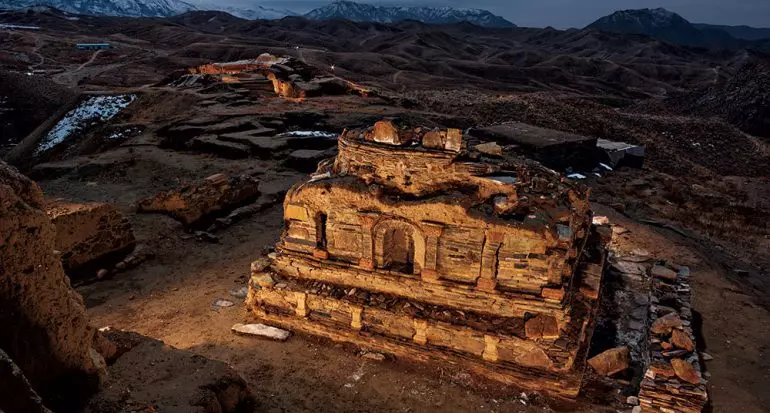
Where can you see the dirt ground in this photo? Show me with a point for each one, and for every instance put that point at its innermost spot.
(170, 298)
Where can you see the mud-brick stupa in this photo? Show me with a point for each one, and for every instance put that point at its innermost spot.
(410, 244)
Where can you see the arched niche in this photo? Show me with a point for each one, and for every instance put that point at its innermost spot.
(399, 246)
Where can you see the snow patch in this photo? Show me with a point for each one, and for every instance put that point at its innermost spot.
(310, 133)
(18, 27)
(91, 111)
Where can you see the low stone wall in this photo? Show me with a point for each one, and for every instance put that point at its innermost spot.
(673, 380)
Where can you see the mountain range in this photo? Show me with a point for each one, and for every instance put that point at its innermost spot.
(657, 23)
(348, 10)
(145, 8)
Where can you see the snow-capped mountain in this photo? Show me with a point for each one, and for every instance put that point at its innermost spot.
(145, 8)
(349, 10)
(126, 8)
(660, 24)
(252, 13)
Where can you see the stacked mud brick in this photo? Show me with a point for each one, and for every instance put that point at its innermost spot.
(672, 381)
(410, 244)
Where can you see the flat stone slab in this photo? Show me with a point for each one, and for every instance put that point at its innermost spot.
(261, 330)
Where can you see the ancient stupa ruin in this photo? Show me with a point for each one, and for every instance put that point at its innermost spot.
(411, 244)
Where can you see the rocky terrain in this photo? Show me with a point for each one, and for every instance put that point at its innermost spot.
(199, 166)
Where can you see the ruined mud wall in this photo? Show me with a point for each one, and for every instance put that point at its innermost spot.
(43, 325)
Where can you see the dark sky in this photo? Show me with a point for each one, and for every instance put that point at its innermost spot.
(571, 13)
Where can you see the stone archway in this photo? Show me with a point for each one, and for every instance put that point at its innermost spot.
(399, 246)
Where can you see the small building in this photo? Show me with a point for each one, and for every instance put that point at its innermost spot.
(93, 46)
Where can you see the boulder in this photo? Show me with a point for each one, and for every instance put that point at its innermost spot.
(164, 379)
(43, 324)
(611, 361)
(86, 232)
(192, 202)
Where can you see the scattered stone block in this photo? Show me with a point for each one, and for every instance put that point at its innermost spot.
(195, 201)
(611, 361)
(86, 232)
(262, 330)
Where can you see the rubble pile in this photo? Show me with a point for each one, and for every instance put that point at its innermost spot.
(410, 244)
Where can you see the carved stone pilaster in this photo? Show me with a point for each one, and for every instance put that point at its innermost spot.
(489, 256)
(368, 220)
